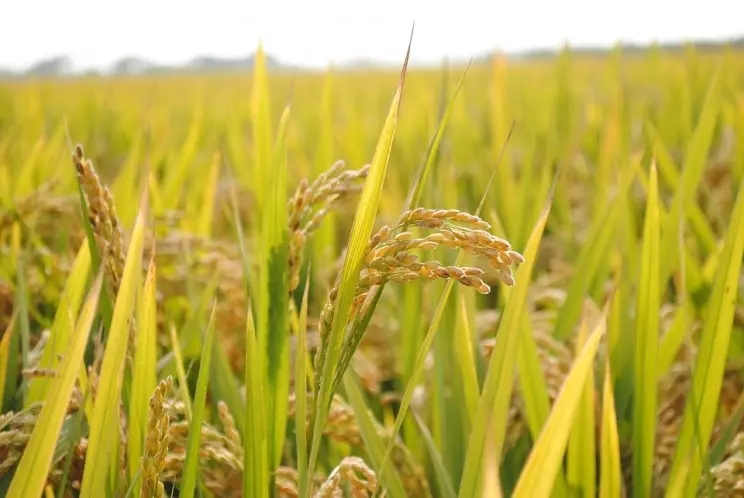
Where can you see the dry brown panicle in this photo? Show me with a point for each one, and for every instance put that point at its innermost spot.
(728, 476)
(674, 389)
(41, 204)
(156, 442)
(361, 479)
(231, 431)
(311, 203)
(15, 432)
(220, 461)
(107, 230)
(341, 426)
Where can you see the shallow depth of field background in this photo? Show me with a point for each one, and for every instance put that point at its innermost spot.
(594, 126)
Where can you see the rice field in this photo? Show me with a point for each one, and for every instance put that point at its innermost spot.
(516, 278)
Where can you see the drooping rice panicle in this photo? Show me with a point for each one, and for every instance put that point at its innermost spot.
(352, 470)
(107, 230)
(311, 203)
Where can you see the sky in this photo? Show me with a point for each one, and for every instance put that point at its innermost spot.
(316, 33)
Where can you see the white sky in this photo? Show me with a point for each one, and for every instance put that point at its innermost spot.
(316, 32)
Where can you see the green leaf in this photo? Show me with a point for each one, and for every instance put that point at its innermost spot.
(191, 466)
(361, 230)
(610, 475)
(273, 298)
(224, 386)
(144, 376)
(692, 172)
(440, 471)
(373, 443)
(591, 256)
(31, 474)
(67, 310)
(674, 338)
(538, 475)
(261, 126)
(701, 406)
(104, 437)
(647, 347)
(582, 453)
(4, 356)
(255, 458)
(497, 388)
(300, 381)
(463, 346)
(183, 384)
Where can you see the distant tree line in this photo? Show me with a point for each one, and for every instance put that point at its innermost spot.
(60, 66)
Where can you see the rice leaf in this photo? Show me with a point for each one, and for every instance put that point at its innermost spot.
(273, 298)
(497, 388)
(440, 471)
(463, 346)
(701, 406)
(692, 172)
(426, 167)
(669, 172)
(542, 465)
(255, 458)
(23, 336)
(178, 169)
(610, 474)
(581, 451)
(183, 384)
(224, 386)
(144, 376)
(361, 231)
(591, 256)
(647, 347)
(373, 443)
(727, 433)
(104, 438)
(261, 126)
(31, 474)
(674, 338)
(324, 241)
(191, 466)
(206, 208)
(66, 313)
(300, 382)
(4, 355)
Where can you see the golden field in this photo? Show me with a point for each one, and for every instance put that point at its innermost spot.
(553, 309)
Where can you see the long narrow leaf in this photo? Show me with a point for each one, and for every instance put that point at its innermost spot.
(497, 388)
(581, 443)
(104, 438)
(4, 354)
(700, 409)
(361, 230)
(144, 376)
(610, 475)
(255, 460)
(300, 380)
(191, 466)
(647, 346)
(31, 475)
(538, 475)
(67, 309)
(373, 443)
